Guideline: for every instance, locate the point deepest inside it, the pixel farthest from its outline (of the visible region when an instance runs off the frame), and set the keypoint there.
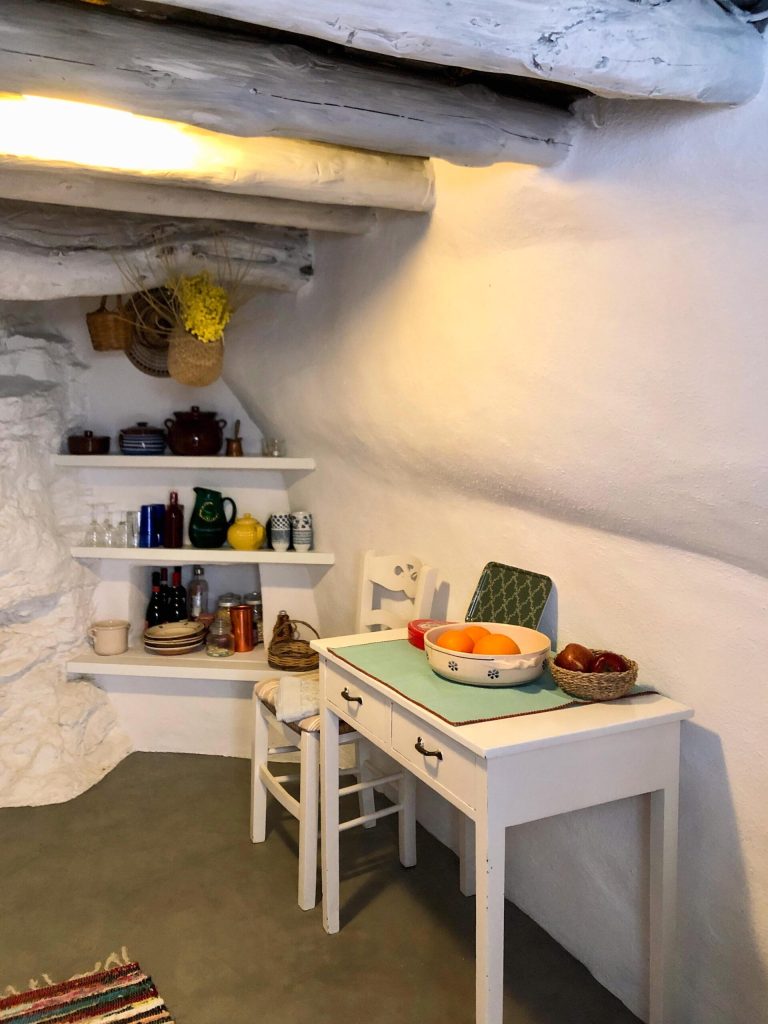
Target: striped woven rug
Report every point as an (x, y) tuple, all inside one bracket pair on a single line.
[(123, 993)]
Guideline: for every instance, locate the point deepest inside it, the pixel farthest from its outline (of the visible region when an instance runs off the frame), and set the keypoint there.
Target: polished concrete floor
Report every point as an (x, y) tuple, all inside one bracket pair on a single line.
[(157, 858)]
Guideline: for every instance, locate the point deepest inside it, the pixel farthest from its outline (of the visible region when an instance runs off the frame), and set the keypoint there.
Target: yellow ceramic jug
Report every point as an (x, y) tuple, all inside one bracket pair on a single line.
[(246, 533)]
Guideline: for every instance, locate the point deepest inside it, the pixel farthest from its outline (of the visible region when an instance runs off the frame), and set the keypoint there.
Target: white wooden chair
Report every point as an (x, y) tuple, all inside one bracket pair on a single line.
[(394, 589)]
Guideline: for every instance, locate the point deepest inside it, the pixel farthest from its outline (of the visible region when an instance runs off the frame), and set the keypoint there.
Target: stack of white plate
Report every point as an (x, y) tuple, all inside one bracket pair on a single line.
[(172, 638)]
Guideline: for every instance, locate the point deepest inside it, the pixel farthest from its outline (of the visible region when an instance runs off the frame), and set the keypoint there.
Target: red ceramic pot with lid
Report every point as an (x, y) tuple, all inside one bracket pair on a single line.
[(195, 432)]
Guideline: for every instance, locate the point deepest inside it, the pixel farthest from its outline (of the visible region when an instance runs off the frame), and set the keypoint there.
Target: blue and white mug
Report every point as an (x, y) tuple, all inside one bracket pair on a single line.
[(301, 531), (280, 531)]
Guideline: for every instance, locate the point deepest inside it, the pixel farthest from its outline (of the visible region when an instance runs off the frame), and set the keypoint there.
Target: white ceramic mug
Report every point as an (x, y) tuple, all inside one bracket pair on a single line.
[(109, 636)]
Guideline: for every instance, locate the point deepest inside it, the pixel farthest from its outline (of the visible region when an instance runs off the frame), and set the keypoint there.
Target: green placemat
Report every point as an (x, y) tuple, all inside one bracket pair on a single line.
[(398, 664)]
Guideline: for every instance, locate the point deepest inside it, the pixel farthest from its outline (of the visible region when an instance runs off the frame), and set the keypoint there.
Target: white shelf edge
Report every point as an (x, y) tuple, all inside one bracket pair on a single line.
[(203, 556), (248, 667), (241, 464)]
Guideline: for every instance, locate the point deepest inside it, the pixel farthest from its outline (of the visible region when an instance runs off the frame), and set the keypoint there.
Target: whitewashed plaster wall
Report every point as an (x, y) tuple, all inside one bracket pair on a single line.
[(58, 736), (567, 371)]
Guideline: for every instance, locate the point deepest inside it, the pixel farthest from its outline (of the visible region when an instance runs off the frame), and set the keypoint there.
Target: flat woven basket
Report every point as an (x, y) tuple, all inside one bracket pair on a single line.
[(595, 685), (110, 330), (290, 654)]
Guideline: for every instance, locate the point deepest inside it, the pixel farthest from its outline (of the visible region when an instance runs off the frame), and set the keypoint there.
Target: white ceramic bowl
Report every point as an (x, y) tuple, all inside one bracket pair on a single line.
[(489, 669)]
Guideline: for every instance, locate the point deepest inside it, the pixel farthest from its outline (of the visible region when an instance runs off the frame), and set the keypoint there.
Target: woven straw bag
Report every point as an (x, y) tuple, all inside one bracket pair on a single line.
[(110, 330), (194, 362), (287, 651), (595, 685)]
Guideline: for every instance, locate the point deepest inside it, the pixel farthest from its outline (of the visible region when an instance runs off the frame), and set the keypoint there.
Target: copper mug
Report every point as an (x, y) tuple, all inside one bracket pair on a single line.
[(241, 617)]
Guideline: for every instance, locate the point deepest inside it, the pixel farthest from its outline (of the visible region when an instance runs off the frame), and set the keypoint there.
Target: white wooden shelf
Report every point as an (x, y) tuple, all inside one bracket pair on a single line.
[(241, 464), (250, 666), (203, 556)]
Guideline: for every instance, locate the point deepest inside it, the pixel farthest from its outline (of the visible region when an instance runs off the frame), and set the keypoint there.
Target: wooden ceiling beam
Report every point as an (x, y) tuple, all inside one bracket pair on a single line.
[(283, 169), (100, 191), (637, 49), (49, 252), (251, 87)]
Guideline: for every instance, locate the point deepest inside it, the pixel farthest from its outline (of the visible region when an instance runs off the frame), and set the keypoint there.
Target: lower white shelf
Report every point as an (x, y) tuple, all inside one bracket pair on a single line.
[(137, 662)]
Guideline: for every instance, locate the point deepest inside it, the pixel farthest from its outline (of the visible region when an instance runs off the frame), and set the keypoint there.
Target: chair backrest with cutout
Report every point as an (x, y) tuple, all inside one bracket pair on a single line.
[(394, 589)]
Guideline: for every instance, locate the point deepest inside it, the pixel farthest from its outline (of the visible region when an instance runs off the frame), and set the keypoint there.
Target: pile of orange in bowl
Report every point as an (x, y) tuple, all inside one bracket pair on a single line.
[(486, 653), (476, 639)]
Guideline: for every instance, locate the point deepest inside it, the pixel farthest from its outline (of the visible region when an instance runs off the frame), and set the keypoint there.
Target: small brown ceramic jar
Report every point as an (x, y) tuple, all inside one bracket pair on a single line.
[(87, 444), (195, 433)]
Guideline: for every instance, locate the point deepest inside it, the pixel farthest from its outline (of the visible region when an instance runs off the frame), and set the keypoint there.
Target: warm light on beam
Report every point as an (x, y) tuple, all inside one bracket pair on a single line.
[(61, 131)]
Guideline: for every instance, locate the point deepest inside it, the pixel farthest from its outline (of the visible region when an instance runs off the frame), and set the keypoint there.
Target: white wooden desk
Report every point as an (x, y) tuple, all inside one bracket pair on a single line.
[(507, 772)]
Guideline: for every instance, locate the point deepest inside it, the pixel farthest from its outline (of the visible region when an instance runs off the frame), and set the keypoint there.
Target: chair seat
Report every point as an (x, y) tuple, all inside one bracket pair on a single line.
[(266, 691)]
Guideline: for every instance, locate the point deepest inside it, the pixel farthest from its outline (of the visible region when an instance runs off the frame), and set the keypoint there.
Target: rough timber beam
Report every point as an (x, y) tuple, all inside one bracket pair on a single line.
[(678, 49), (48, 252), (284, 169), (250, 87), (92, 190)]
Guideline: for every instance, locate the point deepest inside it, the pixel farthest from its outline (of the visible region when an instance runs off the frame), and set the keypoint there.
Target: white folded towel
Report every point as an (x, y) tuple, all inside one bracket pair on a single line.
[(297, 697)]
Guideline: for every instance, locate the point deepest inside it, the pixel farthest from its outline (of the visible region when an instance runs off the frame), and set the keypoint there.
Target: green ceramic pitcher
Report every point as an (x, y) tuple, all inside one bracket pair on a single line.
[(208, 524)]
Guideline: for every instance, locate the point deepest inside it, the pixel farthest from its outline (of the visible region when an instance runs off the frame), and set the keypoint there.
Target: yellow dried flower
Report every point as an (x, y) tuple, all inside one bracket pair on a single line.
[(204, 306)]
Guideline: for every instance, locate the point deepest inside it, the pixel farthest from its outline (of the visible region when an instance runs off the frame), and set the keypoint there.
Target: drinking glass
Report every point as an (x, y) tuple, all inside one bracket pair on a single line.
[(120, 534), (132, 529), (273, 446)]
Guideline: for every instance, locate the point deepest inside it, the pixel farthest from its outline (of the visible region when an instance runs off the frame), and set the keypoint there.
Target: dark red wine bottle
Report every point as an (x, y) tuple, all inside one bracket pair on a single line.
[(173, 523), (164, 595), (154, 613), (177, 598)]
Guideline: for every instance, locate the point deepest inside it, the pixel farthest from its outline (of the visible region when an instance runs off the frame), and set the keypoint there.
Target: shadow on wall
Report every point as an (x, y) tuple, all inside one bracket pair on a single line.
[(264, 332), (715, 899)]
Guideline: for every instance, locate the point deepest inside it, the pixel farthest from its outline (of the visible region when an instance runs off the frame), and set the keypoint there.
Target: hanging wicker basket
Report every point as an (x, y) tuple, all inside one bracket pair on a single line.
[(194, 362), (110, 330), (287, 651)]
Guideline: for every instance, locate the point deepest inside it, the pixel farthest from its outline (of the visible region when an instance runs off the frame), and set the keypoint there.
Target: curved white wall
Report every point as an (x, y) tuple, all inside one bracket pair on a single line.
[(567, 371)]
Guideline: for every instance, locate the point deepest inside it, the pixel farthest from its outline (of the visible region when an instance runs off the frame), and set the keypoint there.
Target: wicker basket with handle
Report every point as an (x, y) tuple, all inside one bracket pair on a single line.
[(595, 685), (287, 651), (110, 330)]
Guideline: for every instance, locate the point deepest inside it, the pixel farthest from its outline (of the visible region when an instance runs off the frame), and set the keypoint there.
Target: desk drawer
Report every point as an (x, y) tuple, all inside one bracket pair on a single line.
[(363, 707), (453, 773)]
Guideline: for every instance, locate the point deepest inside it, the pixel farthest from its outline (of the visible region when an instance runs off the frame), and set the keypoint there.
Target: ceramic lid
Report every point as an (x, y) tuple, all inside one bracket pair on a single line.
[(142, 429), (86, 436), (194, 413)]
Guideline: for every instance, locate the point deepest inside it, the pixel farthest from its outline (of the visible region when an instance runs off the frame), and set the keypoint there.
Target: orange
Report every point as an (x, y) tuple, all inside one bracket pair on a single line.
[(475, 632), (496, 643), (455, 640)]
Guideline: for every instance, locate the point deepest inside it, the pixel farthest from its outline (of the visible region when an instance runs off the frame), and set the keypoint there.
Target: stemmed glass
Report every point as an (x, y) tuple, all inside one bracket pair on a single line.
[(107, 529), (94, 535)]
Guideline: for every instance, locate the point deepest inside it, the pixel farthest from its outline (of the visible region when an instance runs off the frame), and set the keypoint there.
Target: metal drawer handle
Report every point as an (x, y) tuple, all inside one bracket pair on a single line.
[(428, 753), (348, 696)]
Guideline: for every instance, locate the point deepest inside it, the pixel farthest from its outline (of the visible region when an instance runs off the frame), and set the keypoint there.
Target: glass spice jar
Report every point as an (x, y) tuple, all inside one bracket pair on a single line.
[(220, 642)]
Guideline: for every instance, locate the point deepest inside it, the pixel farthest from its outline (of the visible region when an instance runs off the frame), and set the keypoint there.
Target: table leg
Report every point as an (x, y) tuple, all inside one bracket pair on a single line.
[(406, 820), (490, 850), (329, 828), (663, 901), (466, 855)]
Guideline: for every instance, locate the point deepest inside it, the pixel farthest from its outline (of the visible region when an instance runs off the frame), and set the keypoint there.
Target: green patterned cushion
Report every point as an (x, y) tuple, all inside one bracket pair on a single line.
[(507, 594)]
